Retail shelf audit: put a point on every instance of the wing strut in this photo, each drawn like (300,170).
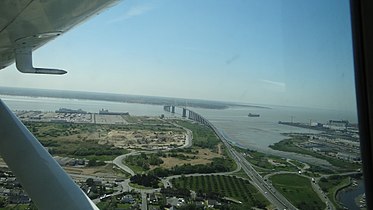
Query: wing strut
(24,63)
(40,175)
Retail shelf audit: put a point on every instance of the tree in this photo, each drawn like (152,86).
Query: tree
(89,182)
(2,202)
(145,180)
(94,162)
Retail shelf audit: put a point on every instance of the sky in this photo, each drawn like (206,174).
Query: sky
(290,52)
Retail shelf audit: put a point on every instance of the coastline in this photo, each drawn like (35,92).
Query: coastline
(123,98)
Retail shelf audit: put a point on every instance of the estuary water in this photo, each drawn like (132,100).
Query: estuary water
(250,132)
(260,132)
(347,196)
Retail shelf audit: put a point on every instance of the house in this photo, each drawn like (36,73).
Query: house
(347,156)
(177,202)
(212,203)
(128,199)
(4,191)
(19,199)
(153,198)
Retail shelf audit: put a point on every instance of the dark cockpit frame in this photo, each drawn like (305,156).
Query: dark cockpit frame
(362,29)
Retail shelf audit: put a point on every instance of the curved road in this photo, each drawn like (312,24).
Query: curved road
(274,197)
(118,161)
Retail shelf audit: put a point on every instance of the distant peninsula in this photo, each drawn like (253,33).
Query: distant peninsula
(124,98)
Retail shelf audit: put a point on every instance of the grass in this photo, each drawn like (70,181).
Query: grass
(82,140)
(203,136)
(138,186)
(224,186)
(121,173)
(263,162)
(114,203)
(135,168)
(75,140)
(108,205)
(16,207)
(332,185)
(97,157)
(130,119)
(297,190)
(241,173)
(297,163)
(111,204)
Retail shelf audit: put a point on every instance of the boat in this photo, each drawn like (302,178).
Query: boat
(253,115)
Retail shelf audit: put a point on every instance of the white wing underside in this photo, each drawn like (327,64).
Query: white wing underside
(26,25)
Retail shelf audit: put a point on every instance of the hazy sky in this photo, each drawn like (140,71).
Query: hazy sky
(290,52)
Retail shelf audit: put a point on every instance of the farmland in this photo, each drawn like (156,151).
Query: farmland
(223,186)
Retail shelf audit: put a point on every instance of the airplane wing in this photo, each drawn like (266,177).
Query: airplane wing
(26,25)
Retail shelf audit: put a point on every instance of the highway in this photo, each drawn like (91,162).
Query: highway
(278,200)
(265,187)
(314,184)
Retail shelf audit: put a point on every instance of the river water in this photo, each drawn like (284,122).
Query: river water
(250,132)
(348,195)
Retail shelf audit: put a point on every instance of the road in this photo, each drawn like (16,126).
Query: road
(188,137)
(322,196)
(316,188)
(118,161)
(278,200)
(269,192)
(144,203)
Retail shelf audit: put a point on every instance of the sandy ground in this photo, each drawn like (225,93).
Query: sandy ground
(143,139)
(105,171)
(204,156)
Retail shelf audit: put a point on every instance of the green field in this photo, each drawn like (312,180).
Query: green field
(224,186)
(241,173)
(30,206)
(297,190)
(113,203)
(75,140)
(82,140)
(141,163)
(203,136)
(268,163)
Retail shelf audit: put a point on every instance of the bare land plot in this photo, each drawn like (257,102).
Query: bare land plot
(204,156)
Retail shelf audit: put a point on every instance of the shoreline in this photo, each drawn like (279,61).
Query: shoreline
(124,98)
(348,188)
(342,188)
(303,158)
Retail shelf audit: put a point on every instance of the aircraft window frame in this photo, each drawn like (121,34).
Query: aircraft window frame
(362,31)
